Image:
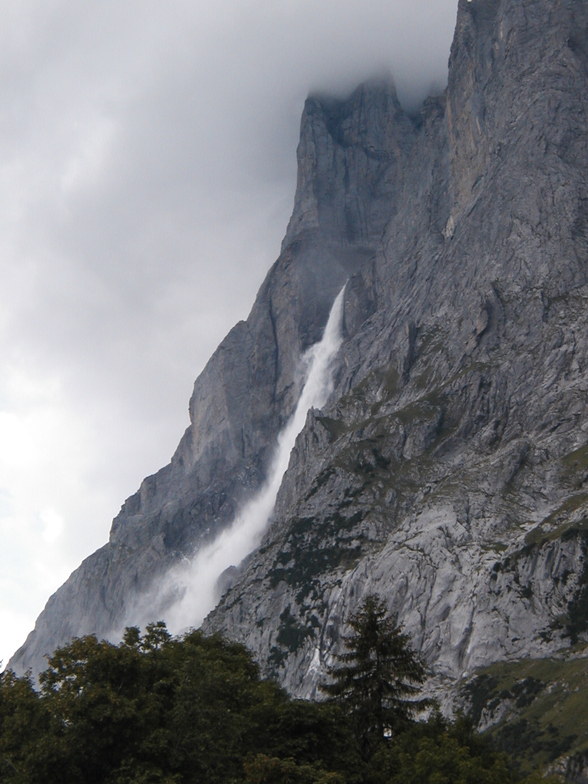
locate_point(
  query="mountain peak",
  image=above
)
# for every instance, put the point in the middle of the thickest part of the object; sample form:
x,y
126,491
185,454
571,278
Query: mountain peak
x,y
350,159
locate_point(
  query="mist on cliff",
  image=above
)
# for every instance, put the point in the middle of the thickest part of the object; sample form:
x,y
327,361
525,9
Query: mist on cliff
x,y
147,174
191,590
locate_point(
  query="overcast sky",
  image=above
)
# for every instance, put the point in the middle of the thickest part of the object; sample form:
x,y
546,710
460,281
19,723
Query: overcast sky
x,y
147,172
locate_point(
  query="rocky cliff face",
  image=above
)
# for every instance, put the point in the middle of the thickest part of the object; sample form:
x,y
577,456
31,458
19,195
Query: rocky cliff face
x,y
448,473
349,154
449,470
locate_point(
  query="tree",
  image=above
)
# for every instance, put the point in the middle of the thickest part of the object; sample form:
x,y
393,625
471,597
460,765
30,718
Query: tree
x,y
161,710
377,679
272,770
22,722
439,752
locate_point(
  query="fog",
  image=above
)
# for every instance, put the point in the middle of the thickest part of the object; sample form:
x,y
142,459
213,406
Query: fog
x,y
147,172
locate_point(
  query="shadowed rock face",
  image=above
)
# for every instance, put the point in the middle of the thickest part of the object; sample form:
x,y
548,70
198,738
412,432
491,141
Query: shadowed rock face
x,y
349,156
449,470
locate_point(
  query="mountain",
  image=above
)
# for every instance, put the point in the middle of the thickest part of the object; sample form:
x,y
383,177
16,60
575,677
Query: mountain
x,y
448,471
351,155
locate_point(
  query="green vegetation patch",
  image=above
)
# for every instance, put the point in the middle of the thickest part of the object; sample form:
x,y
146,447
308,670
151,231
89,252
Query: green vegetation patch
x,y
577,460
335,427
558,525
423,409
157,710
546,708
313,548
291,634
161,710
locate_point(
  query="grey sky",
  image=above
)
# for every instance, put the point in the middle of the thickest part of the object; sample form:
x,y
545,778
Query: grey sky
x,y
147,171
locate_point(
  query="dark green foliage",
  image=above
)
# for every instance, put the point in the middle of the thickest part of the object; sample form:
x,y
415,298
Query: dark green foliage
x,y
537,708
291,634
23,722
378,678
481,691
438,752
272,770
522,734
157,710
314,547
151,705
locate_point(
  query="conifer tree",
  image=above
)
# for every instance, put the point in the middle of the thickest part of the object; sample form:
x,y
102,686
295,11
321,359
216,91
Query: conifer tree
x,y
377,679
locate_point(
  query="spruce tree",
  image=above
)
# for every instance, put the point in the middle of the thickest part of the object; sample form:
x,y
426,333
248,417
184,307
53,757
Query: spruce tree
x,y
377,679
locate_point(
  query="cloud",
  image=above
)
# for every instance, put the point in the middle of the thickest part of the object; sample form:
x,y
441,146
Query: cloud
x,y
147,172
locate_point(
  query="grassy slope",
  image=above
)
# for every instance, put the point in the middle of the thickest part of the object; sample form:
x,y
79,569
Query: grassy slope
x,y
537,708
